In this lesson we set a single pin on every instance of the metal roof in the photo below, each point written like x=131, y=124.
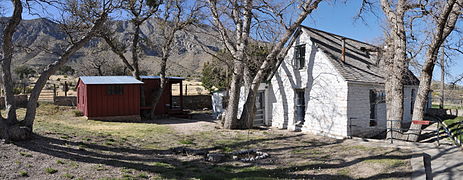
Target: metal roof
x=362, y=63
x=158, y=77
x=109, y=80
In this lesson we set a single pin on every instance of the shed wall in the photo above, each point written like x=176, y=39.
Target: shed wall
x=101, y=104
x=149, y=87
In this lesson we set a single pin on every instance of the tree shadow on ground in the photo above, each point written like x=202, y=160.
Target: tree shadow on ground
x=145, y=160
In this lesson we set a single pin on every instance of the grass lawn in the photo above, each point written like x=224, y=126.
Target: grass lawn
x=436, y=106
x=455, y=126
x=70, y=147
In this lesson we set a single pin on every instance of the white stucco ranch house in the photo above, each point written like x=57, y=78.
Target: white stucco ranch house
x=329, y=85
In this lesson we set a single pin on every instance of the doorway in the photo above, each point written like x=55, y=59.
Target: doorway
x=260, y=109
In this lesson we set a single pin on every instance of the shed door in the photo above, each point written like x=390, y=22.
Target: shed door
x=260, y=107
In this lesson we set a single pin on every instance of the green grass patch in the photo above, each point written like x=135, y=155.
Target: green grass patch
x=23, y=174
x=343, y=172
x=161, y=164
x=68, y=176
x=25, y=154
x=250, y=169
x=186, y=141
x=388, y=162
x=60, y=162
x=143, y=176
x=454, y=125
x=306, y=151
x=50, y=170
x=100, y=167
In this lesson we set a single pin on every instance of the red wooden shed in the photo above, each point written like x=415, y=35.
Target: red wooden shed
x=167, y=104
x=109, y=97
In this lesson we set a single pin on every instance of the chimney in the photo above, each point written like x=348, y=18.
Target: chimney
x=343, y=59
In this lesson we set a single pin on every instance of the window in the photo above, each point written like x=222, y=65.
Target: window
x=300, y=106
x=376, y=97
x=372, y=104
x=299, y=56
x=412, y=99
x=115, y=90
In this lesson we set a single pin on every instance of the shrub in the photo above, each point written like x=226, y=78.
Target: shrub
x=51, y=170
x=68, y=176
x=23, y=173
x=78, y=113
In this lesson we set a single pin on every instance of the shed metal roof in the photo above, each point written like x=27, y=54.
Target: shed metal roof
x=158, y=77
x=109, y=80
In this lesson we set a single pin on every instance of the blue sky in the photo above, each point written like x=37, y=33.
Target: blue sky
x=337, y=18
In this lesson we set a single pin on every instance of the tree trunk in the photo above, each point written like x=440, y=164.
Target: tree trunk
x=442, y=78
x=8, y=50
x=396, y=66
x=162, y=84
x=230, y=118
x=9, y=126
x=243, y=122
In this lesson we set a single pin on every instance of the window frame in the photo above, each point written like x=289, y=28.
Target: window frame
x=299, y=56
x=115, y=90
x=302, y=105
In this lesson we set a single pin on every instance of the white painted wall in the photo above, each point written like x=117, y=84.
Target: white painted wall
x=325, y=93
x=359, y=110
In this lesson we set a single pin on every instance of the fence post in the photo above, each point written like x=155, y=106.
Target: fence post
x=54, y=91
x=391, y=132
x=438, y=133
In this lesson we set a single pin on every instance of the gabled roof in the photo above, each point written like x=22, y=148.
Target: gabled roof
x=362, y=61
x=109, y=80
x=158, y=77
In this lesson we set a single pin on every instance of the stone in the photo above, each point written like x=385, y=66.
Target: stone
x=215, y=157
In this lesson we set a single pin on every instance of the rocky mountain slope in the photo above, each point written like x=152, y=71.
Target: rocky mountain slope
x=39, y=41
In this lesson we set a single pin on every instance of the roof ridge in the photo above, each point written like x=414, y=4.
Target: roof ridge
x=363, y=42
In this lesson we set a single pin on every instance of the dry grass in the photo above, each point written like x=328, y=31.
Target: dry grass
x=87, y=149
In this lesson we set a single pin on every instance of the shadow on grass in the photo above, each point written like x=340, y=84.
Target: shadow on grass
x=149, y=160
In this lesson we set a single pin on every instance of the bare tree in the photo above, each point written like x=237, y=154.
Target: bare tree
x=140, y=11
x=92, y=14
x=277, y=52
x=401, y=16
x=239, y=14
x=445, y=22
x=177, y=16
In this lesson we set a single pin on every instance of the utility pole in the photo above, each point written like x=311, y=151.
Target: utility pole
x=442, y=78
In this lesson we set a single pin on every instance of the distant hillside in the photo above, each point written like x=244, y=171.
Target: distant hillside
x=38, y=38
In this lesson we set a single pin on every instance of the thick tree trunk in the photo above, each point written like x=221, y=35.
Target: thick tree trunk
x=230, y=118
x=8, y=50
x=396, y=67
x=394, y=103
x=10, y=128
x=162, y=84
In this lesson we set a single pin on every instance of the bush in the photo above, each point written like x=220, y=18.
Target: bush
x=51, y=170
x=78, y=113
x=23, y=174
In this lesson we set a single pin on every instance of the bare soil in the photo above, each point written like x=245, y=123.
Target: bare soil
x=68, y=147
